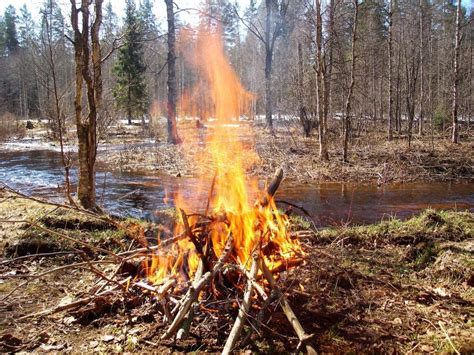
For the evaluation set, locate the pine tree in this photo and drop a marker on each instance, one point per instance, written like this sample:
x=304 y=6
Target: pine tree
x=11 y=39
x=25 y=27
x=109 y=23
x=148 y=19
x=130 y=92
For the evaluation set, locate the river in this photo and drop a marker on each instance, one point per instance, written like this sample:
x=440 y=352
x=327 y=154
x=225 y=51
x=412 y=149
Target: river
x=39 y=173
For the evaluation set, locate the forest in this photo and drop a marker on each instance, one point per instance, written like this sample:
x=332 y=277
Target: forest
x=267 y=176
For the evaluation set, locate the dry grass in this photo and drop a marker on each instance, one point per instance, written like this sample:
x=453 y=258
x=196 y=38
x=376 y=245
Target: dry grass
x=371 y=157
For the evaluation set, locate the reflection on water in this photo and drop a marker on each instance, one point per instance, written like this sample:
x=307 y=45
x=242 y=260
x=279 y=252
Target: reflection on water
x=40 y=173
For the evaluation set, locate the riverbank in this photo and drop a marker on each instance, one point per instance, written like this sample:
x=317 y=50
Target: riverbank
x=371 y=157
x=389 y=287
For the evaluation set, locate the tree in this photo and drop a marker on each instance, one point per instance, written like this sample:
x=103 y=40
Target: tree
x=11 y=38
x=130 y=91
x=454 y=113
x=273 y=29
x=348 y=107
x=173 y=137
x=87 y=57
x=321 y=97
x=390 y=72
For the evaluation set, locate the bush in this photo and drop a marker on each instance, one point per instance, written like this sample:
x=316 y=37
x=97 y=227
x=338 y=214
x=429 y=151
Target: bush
x=10 y=127
x=441 y=116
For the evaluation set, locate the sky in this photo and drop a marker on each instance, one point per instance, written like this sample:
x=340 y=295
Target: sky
x=118 y=7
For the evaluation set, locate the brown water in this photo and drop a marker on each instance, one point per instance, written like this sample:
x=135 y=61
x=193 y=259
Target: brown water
x=39 y=173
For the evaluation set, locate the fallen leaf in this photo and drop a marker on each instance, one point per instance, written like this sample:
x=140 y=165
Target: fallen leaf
x=107 y=338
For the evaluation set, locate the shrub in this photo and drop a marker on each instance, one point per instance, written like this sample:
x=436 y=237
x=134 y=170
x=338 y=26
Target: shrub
x=10 y=127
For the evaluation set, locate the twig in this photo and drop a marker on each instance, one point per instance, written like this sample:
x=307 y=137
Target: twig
x=244 y=308
x=448 y=338
x=302 y=209
x=37 y=276
x=39 y=255
x=193 y=239
x=74 y=304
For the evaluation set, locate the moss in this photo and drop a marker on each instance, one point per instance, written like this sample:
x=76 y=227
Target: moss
x=429 y=225
x=299 y=223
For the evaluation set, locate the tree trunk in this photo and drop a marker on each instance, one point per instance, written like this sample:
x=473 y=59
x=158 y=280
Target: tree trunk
x=390 y=77
x=305 y=120
x=173 y=137
x=455 y=133
x=268 y=65
x=422 y=89
x=347 y=112
x=321 y=97
x=129 y=101
x=87 y=126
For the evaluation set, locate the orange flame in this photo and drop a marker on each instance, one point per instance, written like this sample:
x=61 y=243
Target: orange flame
x=233 y=195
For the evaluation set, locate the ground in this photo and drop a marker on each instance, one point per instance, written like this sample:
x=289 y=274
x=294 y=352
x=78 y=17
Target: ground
x=391 y=287
x=371 y=157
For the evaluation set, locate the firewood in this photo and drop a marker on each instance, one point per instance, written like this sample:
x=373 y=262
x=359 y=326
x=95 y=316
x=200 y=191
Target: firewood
x=272 y=188
x=290 y=315
x=184 y=330
x=244 y=307
x=194 y=291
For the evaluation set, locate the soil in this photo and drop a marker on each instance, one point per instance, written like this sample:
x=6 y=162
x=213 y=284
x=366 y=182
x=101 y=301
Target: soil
x=386 y=288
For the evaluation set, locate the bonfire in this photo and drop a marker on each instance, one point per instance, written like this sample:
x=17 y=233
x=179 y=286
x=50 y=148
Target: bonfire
x=225 y=258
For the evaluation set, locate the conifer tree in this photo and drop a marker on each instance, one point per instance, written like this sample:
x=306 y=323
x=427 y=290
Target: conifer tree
x=130 y=91
x=11 y=38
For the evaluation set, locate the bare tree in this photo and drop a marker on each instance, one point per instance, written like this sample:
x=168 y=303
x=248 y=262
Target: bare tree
x=390 y=69
x=87 y=71
x=347 y=111
x=321 y=96
x=455 y=133
x=172 y=91
x=422 y=88
x=58 y=96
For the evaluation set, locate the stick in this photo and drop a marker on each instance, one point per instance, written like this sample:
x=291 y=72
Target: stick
x=191 y=236
x=272 y=188
x=37 y=276
x=39 y=255
x=184 y=330
x=74 y=304
x=290 y=315
x=195 y=290
x=244 y=308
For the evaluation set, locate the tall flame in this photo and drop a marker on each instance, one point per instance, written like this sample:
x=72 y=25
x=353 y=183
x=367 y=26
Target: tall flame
x=233 y=195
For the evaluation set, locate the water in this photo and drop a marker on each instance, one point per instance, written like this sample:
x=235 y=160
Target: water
x=39 y=173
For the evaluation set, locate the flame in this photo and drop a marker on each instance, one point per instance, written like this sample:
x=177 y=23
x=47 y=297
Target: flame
x=232 y=195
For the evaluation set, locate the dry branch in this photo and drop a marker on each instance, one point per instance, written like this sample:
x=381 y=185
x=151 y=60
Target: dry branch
x=272 y=187
x=244 y=307
x=195 y=290
x=74 y=304
x=290 y=315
